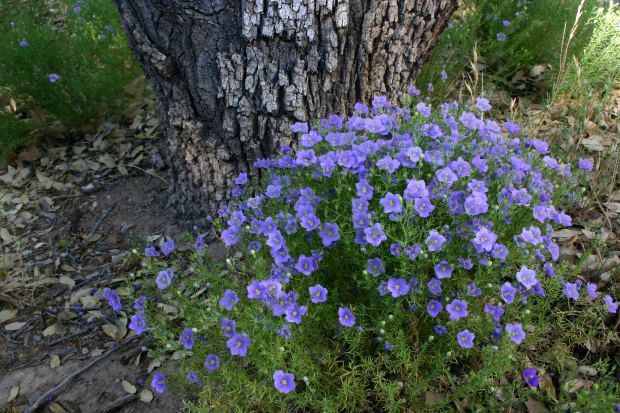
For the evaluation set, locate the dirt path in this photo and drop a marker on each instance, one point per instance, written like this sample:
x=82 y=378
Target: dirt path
x=70 y=217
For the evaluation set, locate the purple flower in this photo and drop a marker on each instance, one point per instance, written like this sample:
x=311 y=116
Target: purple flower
x=507 y=293
x=395 y=249
x=212 y=362
x=423 y=110
x=164 y=278
x=423 y=207
x=612 y=306
x=329 y=234
x=114 y=300
x=137 y=323
x=443 y=270
x=391 y=203
x=150 y=251
x=284 y=382
x=413 y=91
x=306 y=265
x=167 y=247
x=23 y=43
x=433 y=308
x=512 y=128
x=473 y=290
x=527 y=277
x=515 y=332
x=443 y=75
x=310 y=222
x=457 y=309
x=494 y=311
x=434 y=286
x=476 y=204
x=53 y=77
x=294 y=313
x=238 y=344
x=256 y=290
x=398 y=287
x=435 y=241
x=318 y=294
x=586 y=164
x=415 y=189
x=346 y=317
x=530 y=377
x=507 y=23
x=242 y=179
x=441 y=330
x=465 y=338
x=228 y=327
x=230 y=235
x=157 y=383
x=484 y=240
x=483 y=104
x=76 y=9
x=375 y=235
x=571 y=290
x=501 y=37
x=375 y=267
x=193 y=377
x=284 y=331
x=229 y=299
x=187 y=338
x=591 y=290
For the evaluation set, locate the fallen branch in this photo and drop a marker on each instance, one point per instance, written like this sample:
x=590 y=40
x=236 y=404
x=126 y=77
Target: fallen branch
x=101 y=218
x=49 y=393
x=118 y=403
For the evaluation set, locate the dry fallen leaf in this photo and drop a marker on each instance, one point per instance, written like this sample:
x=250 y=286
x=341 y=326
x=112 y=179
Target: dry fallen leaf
x=57 y=408
x=129 y=388
x=55 y=361
x=534 y=406
x=110 y=330
x=146 y=396
x=14 y=326
x=13 y=393
x=49 y=331
x=6 y=315
x=68 y=281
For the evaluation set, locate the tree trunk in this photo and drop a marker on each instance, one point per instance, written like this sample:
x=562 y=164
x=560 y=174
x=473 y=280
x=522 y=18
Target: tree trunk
x=232 y=75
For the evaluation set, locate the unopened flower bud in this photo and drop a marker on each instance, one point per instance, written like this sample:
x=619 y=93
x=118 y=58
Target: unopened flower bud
x=194 y=330
x=449 y=354
x=382 y=331
x=390 y=317
x=431 y=338
x=399 y=384
x=382 y=322
x=526 y=311
x=281 y=348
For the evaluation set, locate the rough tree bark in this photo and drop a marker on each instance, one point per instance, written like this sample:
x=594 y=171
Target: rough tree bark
x=231 y=75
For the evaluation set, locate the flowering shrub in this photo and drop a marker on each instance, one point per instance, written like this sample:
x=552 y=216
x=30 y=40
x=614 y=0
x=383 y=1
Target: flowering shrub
x=397 y=251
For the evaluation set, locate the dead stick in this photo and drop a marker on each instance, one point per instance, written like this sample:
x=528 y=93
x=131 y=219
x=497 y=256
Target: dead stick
x=117 y=404
x=75 y=374
x=92 y=231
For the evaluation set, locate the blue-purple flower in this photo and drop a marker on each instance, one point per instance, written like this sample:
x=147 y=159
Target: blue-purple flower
x=457 y=309
x=238 y=345
x=515 y=332
x=158 y=382
x=397 y=287
x=284 y=382
x=164 y=278
x=346 y=317
x=465 y=338
x=137 y=323
x=531 y=377
x=212 y=362
x=187 y=338
x=318 y=294
x=229 y=299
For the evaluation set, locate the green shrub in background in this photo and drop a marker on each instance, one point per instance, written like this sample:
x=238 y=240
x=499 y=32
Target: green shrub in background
x=597 y=66
x=509 y=36
x=61 y=61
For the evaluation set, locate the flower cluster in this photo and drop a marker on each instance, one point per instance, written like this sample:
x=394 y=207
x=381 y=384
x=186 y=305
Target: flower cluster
x=447 y=211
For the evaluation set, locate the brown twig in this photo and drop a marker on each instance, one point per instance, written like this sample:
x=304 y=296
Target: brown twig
x=101 y=218
x=117 y=404
x=49 y=393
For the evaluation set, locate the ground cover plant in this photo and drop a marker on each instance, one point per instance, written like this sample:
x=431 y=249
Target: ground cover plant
x=60 y=61
x=400 y=258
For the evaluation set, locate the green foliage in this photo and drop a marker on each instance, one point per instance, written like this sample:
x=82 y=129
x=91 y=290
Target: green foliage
x=84 y=46
x=535 y=36
x=597 y=65
x=353 y=369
